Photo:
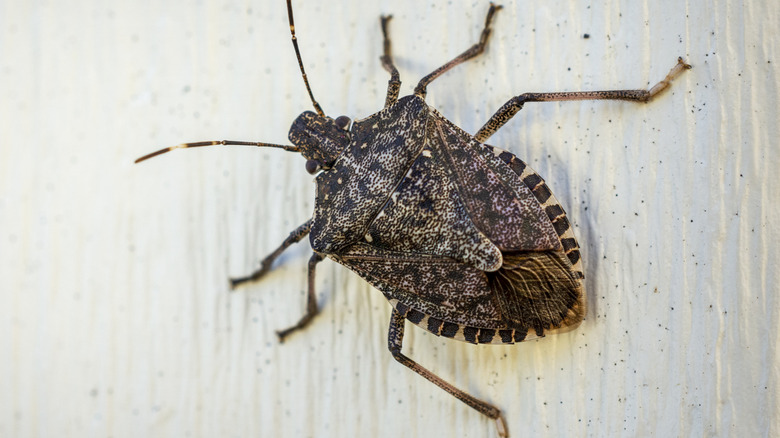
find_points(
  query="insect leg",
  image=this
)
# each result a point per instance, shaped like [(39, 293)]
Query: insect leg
[(311, 302), (515, 104), (265, 266), (476, 49), (395, 339), (394, 84)]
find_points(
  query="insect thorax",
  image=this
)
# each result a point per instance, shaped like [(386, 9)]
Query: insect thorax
[(358, 183)]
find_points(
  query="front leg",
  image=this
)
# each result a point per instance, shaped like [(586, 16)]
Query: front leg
[(395, 339), (265, 266), (515, 104)]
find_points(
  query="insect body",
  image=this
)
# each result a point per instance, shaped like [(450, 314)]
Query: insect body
[(462, 238), (447, 229)]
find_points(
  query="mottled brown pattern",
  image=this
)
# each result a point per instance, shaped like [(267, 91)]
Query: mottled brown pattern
[(436, 286), (502, 207), (456, 199), (552, 208), (532, 291), (350, 194), (425, 215), (537, 310), (464, 237)]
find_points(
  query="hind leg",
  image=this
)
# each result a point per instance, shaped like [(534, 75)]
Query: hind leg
[(395, 338), (515, 104)]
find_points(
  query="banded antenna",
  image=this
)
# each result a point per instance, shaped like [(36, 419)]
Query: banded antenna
[(218, 143), (300, 61)]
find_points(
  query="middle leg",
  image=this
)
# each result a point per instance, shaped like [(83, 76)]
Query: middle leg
[(395, 339), (311, 301)]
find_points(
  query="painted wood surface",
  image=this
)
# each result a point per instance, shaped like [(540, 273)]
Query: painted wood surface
[(116, 318)]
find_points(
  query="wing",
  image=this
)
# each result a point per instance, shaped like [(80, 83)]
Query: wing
[(548, 202), (469, 244), (426, 215), (498, 202), (460, 201), (533, 292), (536, 291)]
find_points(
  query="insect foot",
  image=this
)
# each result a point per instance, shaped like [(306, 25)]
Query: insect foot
[(462, 238)]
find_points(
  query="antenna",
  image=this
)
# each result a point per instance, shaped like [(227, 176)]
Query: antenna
[(217, 143), (300, 61)]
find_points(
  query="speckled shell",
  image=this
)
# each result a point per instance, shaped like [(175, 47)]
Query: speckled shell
[(463, 238)]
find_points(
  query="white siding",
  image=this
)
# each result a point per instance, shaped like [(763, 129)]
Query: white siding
[(115, 316)]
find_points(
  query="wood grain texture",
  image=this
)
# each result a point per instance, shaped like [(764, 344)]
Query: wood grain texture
[(115, 313)]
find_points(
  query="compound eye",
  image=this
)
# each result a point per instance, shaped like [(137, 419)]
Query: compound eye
[(342, 122), (313, 166)]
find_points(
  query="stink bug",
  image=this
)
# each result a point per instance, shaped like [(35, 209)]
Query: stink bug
[(462, 238)]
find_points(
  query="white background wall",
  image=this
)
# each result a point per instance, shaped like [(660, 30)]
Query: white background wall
[(116, 319)]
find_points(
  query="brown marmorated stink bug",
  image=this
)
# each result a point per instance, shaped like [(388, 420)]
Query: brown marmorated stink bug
[(462, 238)]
